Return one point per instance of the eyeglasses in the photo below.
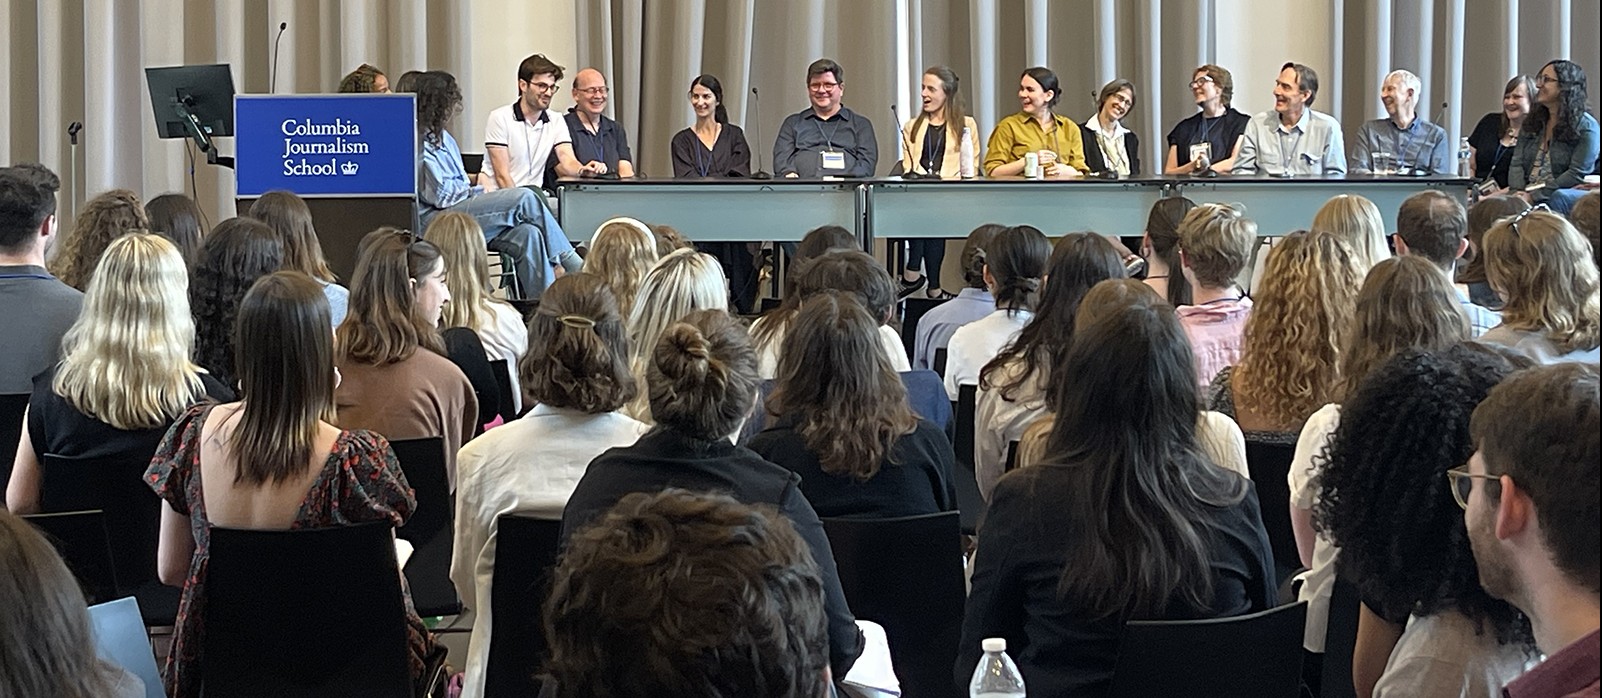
(1542, 80)
(822, 86)
(593, 91)
(1514, 224)
(1463, 483)
(1203, 80)
(545, 87)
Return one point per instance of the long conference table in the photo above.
(783, 210)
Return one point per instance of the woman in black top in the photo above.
(1213, 132)
(844, 424)
(1109, 147)
(713, 147)
(1494, 137)
(1123, 519)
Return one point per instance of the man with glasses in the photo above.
(1293, 140)
(1531, 500)
(598, 142)
(827, 139)
(520, 137)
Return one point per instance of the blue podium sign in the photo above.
(326, 145)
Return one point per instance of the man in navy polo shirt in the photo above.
(599, 143)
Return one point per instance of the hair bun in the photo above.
(683, 353)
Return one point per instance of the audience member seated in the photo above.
(1586, 216)
(236, 253)
(842, 421)
(1404, 303)
(1530, 497)
(1481, 216)
(125, 371)
(1109, 147)
(364, 79)
(395, 377)
(1124, 519)
(972, 303)
(1495, 136)
(851, 271)
(804, 148)
(270, 462)
(681, 283)
(1559, 142)
(1036, 128)
(1215, 245)
(1403, 142)
(1356, 220)
(1315, 148)
(105, 217)
(1208, 140)
(472, 304)
(1160, 247)
(668, 239)
(1539, 263)
(30, 298)
(522, 137)
(702, 383)
(705, 597)
(1433, 225)
(1217, 436)
(289, 217)
(1014, 386)
(177, 218)
(577, 373)
(515, 220)
(1015, 261)
(46, 643)
(1426, 627)
(769, 329)
(621, 254)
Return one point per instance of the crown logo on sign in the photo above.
(349, 167)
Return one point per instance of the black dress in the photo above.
(1489, 153)
(914, 477)
(729, 156)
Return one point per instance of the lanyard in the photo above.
(705, 169)
(828, 138)
(1286, 160)
(934, 148)
(596, 138)
(1401, 152)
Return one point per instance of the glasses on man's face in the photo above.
(593, 91)
(822, 86)
(1463, 483)
(1203, 80)
(1514, 224)
(545, 88)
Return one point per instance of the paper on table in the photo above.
(872, 676)
(403, 552)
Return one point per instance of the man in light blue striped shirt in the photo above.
(1293, 140)
(1433, 225)
(1402, 142)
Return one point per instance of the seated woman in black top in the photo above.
(713, 147)
(125, 371)
(702, 381)
(1124, 519)
(843, 422)
(1109, 147)
(1208, 139)
(1497, 133)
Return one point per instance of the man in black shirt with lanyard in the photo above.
(827, 139)
(599, 144)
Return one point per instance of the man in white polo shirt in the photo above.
(521, 136)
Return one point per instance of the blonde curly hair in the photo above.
(1301, 317)
(1543, 266)
(106, 217)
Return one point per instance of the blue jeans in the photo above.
(1563, 200)
(517, 222)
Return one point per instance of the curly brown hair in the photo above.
(106, 217)
(578, 348)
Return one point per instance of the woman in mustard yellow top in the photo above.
(1036, 129)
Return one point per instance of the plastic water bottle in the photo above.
(1463, 154)
(965, 155)
(996, 676)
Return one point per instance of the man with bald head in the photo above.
(1403, 142)
(599, 144)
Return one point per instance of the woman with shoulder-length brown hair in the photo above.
(576, 373)
(106, 217)
(259, 454)
(289, 217)
(844, 424)
(177, 217)
(1543, 267)
(398, 380)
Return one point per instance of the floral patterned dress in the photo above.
(360, 481)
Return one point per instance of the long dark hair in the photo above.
(382, 325)
(848, 402)
(236, 253)
(177, 218)
(1078, 262)
(1529, 96)
(710, 82)
(954, 113)
(1124, 468)
(286, 376)
(1016, 259)
(1571, 104)
(1162, 230)
(816, 242)
(289, 216)
(438, 100)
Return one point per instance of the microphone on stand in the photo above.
(756, 123)
(272, 81)
(901, 139)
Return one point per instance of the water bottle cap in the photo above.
(994, 644)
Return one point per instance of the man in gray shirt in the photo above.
(1293, 140)
(826, 139)
(35, 308)
(1401, 143)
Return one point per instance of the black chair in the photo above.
(1269, 465)
(1258, 655)
(1340, 640)
(525, 552)
(969, 501)
(429, 530)
(503, 380)
(343, 579)
(911, 315)
(80, 538)
(939, 361)
(117, 487)
(966, 414)
(1012, 457)
(906, 575)
(11, 409)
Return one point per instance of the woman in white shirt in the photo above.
(473, 304)
(577, 373)
(849, 270)
(1014, 266)
(1109, 147)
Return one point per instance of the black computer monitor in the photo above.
(204, 91)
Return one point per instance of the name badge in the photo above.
(1201, 151)
(833, 160)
